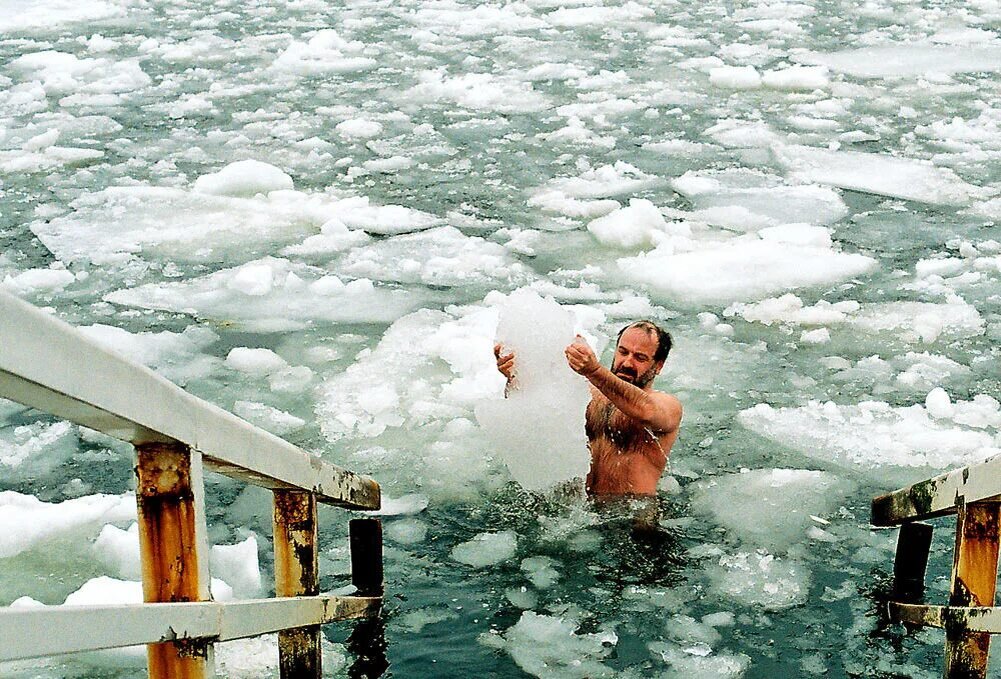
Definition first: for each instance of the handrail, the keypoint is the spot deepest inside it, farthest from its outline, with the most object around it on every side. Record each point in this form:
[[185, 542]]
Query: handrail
[[972, 493], [49, 365], [941, 495], [74, 629]]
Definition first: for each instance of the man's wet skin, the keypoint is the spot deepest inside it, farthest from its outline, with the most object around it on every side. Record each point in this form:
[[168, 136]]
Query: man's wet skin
[[630, 426]]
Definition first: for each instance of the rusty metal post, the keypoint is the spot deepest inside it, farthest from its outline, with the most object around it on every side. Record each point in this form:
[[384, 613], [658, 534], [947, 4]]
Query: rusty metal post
[[173, 547], [911, 562], [296, 574], [974, 580]]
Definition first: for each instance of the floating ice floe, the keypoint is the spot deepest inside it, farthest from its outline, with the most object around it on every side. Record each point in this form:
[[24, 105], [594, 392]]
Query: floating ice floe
[[746, 200], [237, 565], [44, 16], [487, 549], [476, 91], [903, 60], [326, 53], [26, 521], [634, 226], [747, 268], [118, 223], [271, 294], [770, 508], [119, 550], [37, 446], [550, 646], [442, 256], [266, 417], [178, 356], [62, 74], [902, 321], [883, 175], [453, 18], [599, 16], [244, 178], [877, 438], [589, 195], [759, 579], [38, 281]]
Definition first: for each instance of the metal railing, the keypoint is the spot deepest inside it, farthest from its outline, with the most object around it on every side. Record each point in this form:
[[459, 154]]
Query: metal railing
[[50, 366], [973, 494]]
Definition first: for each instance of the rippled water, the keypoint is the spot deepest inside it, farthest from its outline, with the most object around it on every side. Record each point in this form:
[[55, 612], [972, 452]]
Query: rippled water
[[805, 193]]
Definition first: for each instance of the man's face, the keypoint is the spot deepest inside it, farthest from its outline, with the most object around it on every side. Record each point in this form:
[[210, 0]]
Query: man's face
[[633, 360]]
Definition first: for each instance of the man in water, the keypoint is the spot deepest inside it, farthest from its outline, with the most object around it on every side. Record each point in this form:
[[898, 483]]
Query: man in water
[[630, 426]]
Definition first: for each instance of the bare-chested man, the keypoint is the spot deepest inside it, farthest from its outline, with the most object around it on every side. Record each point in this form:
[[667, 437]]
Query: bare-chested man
[[630, 426]]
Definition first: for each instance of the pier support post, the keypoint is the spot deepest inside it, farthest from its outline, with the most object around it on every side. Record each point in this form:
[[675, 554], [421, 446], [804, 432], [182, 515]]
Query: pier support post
[[296, 574], [173, 547], [367, 641], [974, 580], [911, 562]]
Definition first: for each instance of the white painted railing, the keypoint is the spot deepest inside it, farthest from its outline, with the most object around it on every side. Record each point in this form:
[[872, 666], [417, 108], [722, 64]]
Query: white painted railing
[[48, 365]]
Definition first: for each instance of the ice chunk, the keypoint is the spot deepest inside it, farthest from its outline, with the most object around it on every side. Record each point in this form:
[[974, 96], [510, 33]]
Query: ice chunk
[[741, 270], [541, 571], [26, 521], [789, 309], [175, 355], [244, 178], [385, 219], [908, 60], [872, 436], [120, 222], [43, 16], [358, 128], [104, 590], [38, 281], [921, 321], [761, 580], [598, 15], [797, 78], [696, 663], [415, 503], [763, 199], [538, 430], [325, 53], [770, 508], [237, 565], [272, 419], [883, 175], [735, 77], [476, 91], [481, 20], [487, 549], [37, 446], [257, 362], [297, 294], [938, 404], [119, 549], [406, 531], [441, 256], [635, 226], [549, 646]]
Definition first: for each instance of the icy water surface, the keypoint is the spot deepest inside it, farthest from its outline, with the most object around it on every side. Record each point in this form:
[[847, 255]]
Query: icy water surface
[[805, 193]]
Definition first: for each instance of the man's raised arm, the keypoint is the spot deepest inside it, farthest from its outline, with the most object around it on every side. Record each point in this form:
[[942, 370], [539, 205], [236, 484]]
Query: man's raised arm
[[654, 410]]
